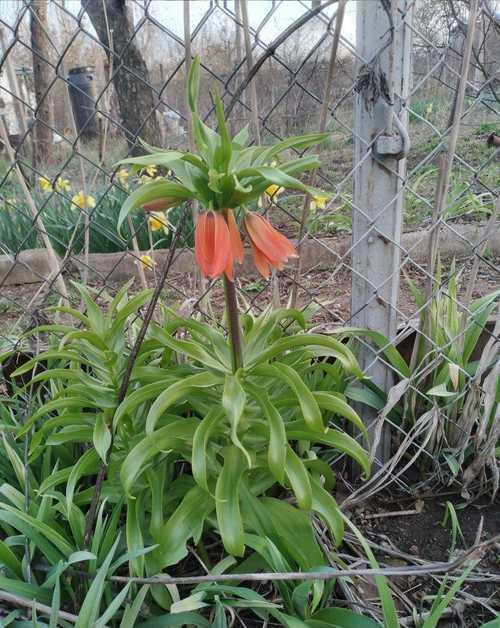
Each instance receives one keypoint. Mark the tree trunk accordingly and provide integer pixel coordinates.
(43, 76)
(131, 77)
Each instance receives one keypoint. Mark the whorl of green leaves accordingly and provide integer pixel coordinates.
(225, 172)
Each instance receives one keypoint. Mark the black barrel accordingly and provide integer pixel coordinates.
(81, 85)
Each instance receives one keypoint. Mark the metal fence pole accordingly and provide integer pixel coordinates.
(383, 42)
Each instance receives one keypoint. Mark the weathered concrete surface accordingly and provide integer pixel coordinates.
(31, 266)
(323, 253)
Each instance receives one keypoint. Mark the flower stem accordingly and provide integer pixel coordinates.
(234, 324)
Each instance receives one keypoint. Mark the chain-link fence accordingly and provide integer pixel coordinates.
(406, 246)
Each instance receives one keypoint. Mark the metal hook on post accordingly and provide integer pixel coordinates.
(393, 145)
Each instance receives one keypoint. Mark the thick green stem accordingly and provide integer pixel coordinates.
(234, 324)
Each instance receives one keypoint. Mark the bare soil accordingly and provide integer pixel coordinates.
(422, 535)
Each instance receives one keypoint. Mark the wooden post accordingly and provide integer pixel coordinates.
(42, 78)
(378, 199)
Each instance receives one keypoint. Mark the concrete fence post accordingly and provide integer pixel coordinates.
(381, 142)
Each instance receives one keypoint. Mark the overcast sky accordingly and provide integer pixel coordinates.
(170, 13)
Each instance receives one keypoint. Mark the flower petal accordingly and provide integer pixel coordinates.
(234, 235)
(271, 242)
(212, 244)
(202, 235)
(261, 262)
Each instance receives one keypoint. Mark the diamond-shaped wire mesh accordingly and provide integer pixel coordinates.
(114, 72)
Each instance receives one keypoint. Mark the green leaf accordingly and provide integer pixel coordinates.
(62, 403)
(56, 604)
(330, 402)
(176, 435)
(136, 398)
(10, 560)
(184, 523)
(328, 347)
(176, 392)
(94, 313)
(308, 404)
(163, 158)
(101, 436)
(298, 430)
(326, 506)
(134, 535)
(276, 453)
(15, 461)
(234, 402)
(199, 459)
(299, 479)
(298, 142)
(25, 589)
(47, 540)
(177, 620)
(340, 618)
(86, 465)
(113, 608)
(92, 602)
(482, 309)
(440, 391)
(389, 350)
(227, 505)
(388, 607)
(290, 529)
(151, 192)
(194, 351)
(224, 151)
(193, 83)
(220, 620)
(131, 613)
(191, 603)
(442, 601)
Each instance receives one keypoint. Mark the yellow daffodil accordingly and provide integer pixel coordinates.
(146, 178)
(45, 184)
(147, 262)
(318, 202)
(122, 176)
(158, 222)
(273, 190)
(83, 201)
(148, 173)
(63, 185)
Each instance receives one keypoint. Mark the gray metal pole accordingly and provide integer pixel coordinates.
(380, 144)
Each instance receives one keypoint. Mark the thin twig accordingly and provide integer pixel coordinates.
(395, 513)
(41, 608)
(473, 553)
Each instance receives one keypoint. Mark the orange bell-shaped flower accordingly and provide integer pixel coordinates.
(212, 247)
(269, 246)
(217, 244)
